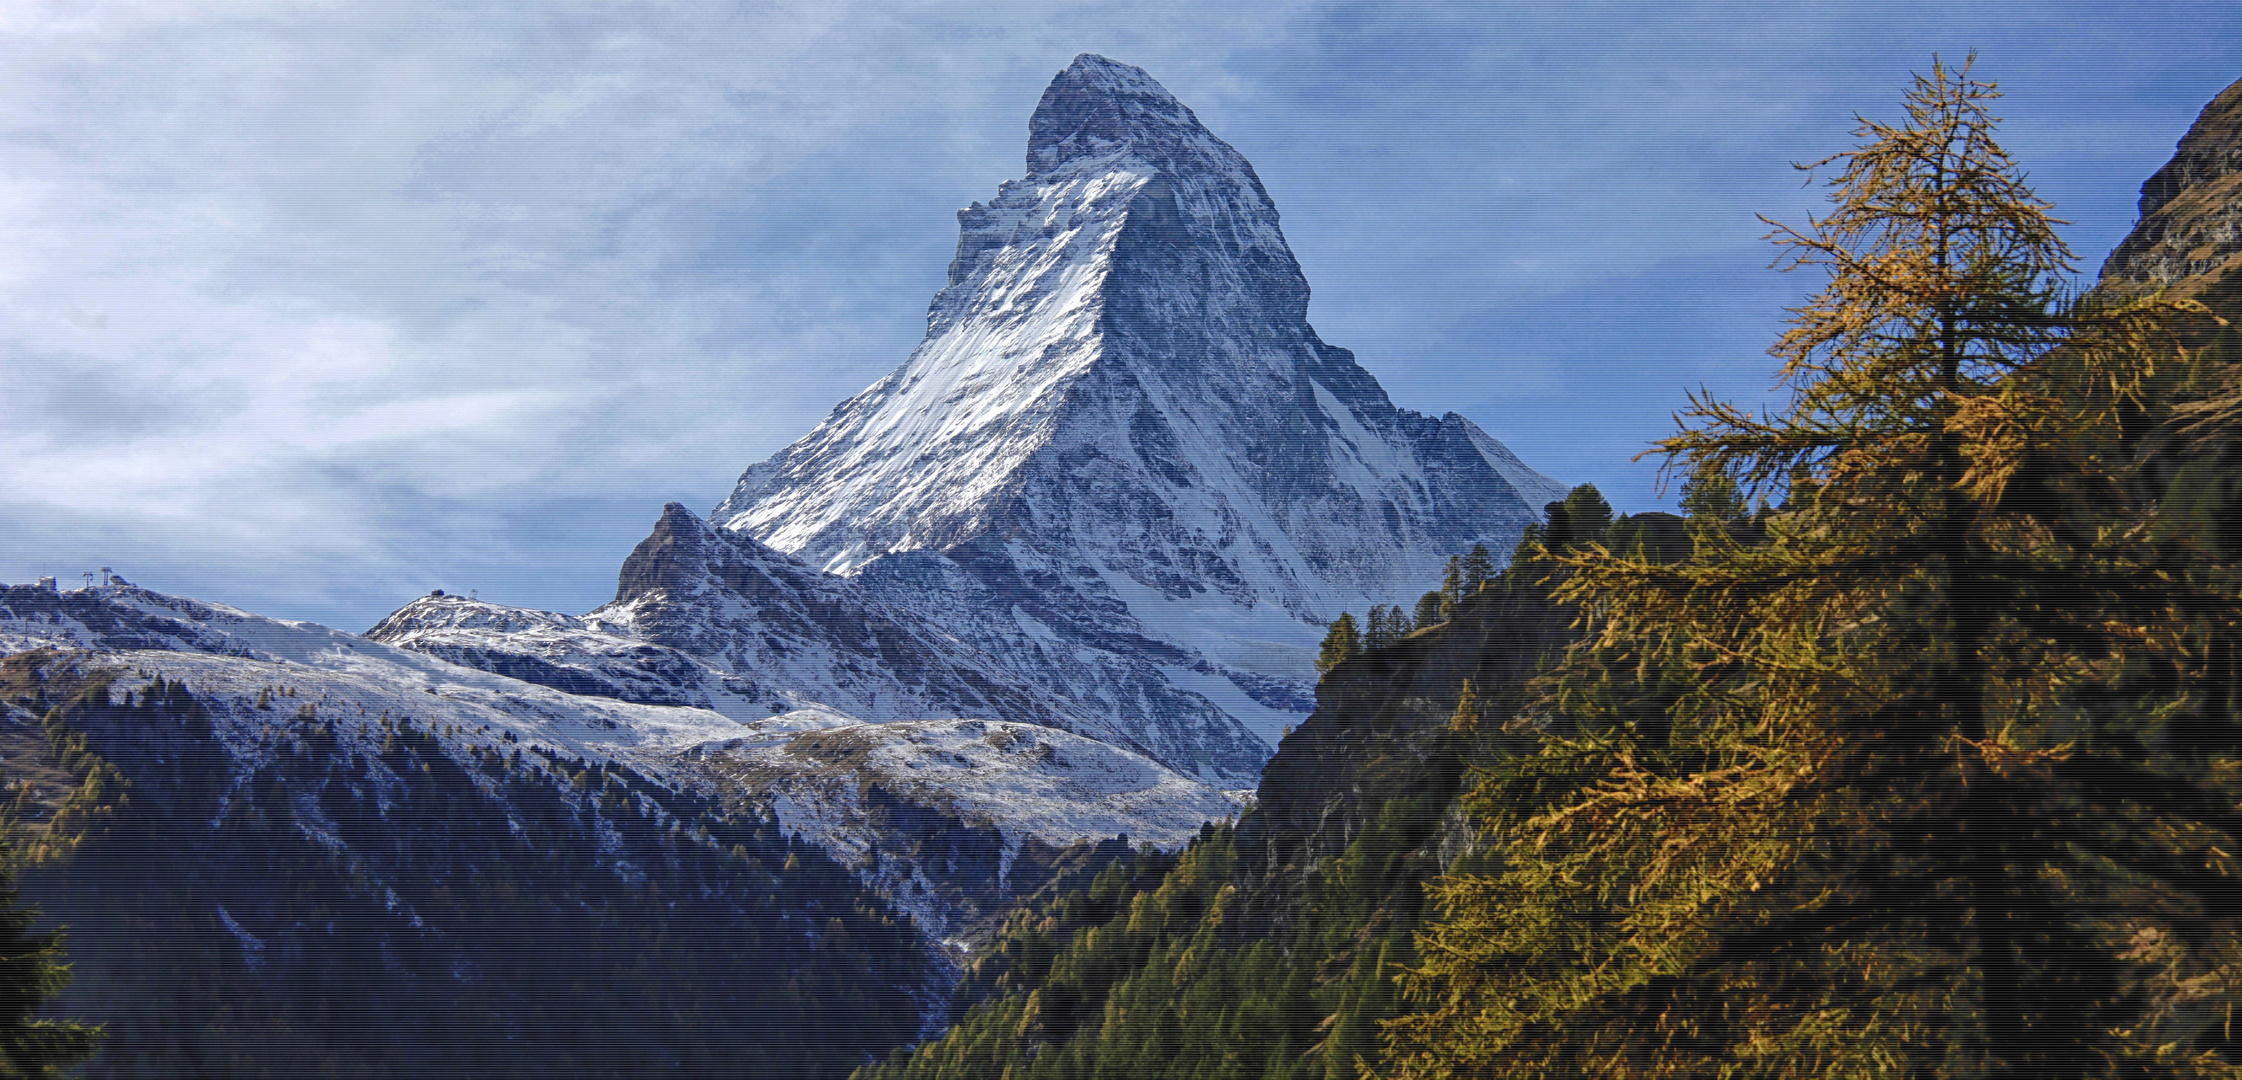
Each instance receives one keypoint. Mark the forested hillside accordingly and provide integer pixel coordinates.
(375, 901)
(1267, 948)
(1915, 755)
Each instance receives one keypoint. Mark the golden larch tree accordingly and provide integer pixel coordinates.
(1948, 781)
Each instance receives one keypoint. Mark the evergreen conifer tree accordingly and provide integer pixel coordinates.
(1587, 515)
(1431, 609)
(1341, 642)
(1377, 631)
(1712, 497)
(1396, 626)
(1478, 566)
(1949, 785)
(31, 972)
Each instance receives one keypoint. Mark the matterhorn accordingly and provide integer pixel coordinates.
(1120, 489)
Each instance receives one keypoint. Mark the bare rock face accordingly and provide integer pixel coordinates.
(2190, 231)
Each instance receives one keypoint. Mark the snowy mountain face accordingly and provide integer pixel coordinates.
(717, 621)
(561, 695)
(286, 847)
(1120, 409)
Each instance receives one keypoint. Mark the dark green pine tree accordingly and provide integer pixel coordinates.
(1478, 566)
(1392, 625)
(31, 972)
(1341, 642)
(1712, 497)
(1431, 609)
(1587, 514)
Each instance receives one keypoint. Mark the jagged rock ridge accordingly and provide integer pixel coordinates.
(715, 620)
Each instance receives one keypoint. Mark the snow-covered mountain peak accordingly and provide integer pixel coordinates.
(1118, 489)
(1120, 380)
(1121, 421)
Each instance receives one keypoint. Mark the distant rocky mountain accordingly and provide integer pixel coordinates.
(1118, 490)
(944, 819)
(1120, 411)
(1119, 389)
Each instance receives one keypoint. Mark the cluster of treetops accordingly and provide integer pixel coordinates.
(1581, 517)
(1923, 760)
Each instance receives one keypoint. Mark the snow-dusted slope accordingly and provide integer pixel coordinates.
(1120, 405)
(253, 674)
(232, 657)
(719, 621)
(571, 654)
(1003, 785)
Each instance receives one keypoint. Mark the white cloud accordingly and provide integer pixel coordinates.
(317, 305)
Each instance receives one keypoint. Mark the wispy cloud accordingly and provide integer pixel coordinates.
(314, 306)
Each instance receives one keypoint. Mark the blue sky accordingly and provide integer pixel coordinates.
(311, 308)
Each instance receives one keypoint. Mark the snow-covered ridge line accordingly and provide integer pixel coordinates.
(259, 676)
(238, 654)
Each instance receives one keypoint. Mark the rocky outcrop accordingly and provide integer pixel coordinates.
(1381, 739)
(2190, 232)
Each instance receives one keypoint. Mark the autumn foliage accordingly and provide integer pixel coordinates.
(1943, 775)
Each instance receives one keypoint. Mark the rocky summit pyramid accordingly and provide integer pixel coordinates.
(1120, 397)
(1119, 489)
